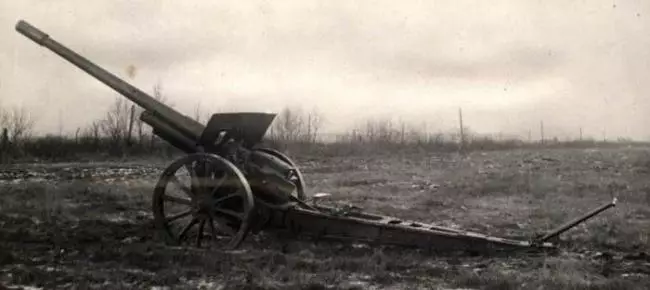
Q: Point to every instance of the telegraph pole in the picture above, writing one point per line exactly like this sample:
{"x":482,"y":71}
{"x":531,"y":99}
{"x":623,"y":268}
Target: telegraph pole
{"x":541,"y":130}
{"x":462,"y":133}
{"x":580,"y":133}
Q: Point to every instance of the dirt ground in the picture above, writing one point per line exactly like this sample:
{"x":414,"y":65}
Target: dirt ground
{"x":89,"y":226}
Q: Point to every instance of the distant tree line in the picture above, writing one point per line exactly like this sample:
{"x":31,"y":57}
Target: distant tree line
{"x":121,"y":133}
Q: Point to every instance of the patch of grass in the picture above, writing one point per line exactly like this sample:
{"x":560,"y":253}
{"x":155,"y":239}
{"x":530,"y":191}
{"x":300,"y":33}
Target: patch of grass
{"x":571,"y":273}
{"x":490,"y":278}
{"x":99,"y":234}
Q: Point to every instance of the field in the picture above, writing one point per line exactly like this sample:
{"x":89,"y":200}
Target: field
{"x":89,"y":225}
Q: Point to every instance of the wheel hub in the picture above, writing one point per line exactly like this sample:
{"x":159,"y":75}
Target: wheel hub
{"x":203,"y":205}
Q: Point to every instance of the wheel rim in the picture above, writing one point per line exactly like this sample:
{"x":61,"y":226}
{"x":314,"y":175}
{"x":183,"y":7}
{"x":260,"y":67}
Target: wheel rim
{"x":296,"y":177}
{"x":203,"y":199}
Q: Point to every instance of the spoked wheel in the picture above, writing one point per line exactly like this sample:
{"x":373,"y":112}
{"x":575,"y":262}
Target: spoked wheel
{"x":203,"y":199}
{"x":296,"y":177}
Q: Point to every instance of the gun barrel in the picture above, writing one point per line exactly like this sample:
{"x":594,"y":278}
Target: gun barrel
{"x":168,"y":133}
{"x":188,"y":127}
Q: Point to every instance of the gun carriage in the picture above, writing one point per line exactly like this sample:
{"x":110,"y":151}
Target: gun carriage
{"x":234,"y":187}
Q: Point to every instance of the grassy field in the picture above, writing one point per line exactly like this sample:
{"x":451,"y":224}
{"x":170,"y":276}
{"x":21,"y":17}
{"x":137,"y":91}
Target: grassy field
{"x":63,"y":226}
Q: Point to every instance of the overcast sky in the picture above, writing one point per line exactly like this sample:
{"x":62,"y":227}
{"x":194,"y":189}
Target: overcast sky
{"x":508,"y":64}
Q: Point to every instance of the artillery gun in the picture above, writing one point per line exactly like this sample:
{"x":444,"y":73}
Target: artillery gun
{"x":234,"y":187}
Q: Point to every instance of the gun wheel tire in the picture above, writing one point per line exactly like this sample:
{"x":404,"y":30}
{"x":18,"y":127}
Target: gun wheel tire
{"x":296,"y":177}
{"x":203,"y":200}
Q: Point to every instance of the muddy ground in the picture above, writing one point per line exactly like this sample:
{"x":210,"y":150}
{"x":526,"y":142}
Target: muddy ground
{"x":89,"y":226}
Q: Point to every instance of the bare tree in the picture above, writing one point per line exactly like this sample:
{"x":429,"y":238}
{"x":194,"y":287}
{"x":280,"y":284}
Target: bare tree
{"x":380,"y":130}
{"x":4,"y":118}
{"x":160,"y":97}
{"x":18,"y":123}
{"x":139,"y":126}
{"x":198,"y":113}
{"x":129,"y":134}
{"x":314,"y":122}
{"x":4,"y":135}
{"x":115,"y":124}
{"x":288,"y":125}
{"x":92,"y":132}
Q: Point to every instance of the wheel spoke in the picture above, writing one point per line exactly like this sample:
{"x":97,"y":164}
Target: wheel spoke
{"x":177,"y":200}
{"x":221,"y":225}
{"x":179,"y":215}
{"x":221,"y":199}
{"x":202,"y":176}
{"x":193,"y":176}
{"x":230,"y":213}
{"x":186,"y":229}
{"x":199,"y":173}
{"x":223,"y":179}
{"x":199,"y":235}
{"x":180,"y":185}
{"x":203,"y":172}
{"x":213,"y":232}
{"x":207,"y":169}
{"x":217,"y":184}
{"x":190,"y":170}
